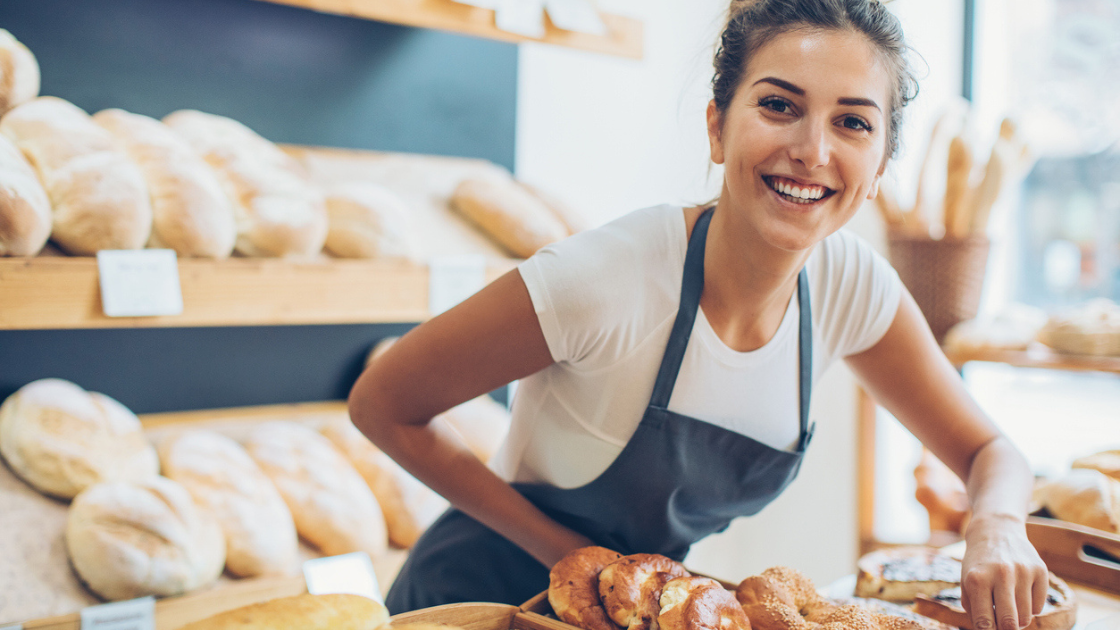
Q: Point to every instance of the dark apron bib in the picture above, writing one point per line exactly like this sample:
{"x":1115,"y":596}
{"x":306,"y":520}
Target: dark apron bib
{"x":676,"y":481}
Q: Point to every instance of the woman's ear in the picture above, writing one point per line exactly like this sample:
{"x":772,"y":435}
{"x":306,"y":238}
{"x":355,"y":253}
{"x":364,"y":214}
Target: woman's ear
{"x":715,"y":126}
{"x":874,"y":191}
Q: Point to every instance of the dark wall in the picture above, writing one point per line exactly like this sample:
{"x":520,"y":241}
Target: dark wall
{"x":294,"y":76}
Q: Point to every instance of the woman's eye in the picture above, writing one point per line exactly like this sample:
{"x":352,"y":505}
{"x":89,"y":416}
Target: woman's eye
{"x":775,"y":105}
{"x":852,"y":122}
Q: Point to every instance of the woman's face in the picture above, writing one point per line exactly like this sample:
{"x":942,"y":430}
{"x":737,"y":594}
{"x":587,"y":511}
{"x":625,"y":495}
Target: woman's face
{"x":804,"y":138}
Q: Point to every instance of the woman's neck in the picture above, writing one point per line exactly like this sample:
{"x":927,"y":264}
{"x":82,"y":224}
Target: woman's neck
{"x":747,"y":283}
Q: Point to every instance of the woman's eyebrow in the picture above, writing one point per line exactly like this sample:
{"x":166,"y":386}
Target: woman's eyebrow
{"x":864,"y":102}
{"x":847,"y":100}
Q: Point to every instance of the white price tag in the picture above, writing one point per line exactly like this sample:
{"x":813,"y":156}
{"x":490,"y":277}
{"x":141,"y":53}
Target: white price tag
{"x":576,"y":15}
{"x":131,"y":614}
{"x":452,"y":279}
{"x":139,"y":283}
{"x":521,"y":17}
{"x":12,"y":626}
{"x":349,"y":573}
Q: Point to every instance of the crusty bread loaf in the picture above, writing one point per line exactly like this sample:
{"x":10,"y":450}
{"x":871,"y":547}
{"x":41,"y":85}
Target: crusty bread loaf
{"x":409,"y":506}
{"x":191,"y":212}
{"x":367,"y":221}
{"x":61,"y":439}
{"x":130,"y":540}
{"x":98,"y":195}
{"x":508,"y":214}
{"x":1085,"y":497}
{"x":25,"y":211}
{"x":225,"y":482}
{"x":19,"y":73}
{"x":573,"y":220}
{"x":331,"y":505}
{"x":481,"y":422}
{"x":300,"y":612}
{"x":279,"y":212}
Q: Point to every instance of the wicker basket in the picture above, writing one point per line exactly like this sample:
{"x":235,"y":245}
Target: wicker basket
{"x":945,"y":277}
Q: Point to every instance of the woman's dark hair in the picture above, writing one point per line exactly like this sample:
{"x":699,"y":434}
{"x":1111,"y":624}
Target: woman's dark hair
{"x":754,"y":23}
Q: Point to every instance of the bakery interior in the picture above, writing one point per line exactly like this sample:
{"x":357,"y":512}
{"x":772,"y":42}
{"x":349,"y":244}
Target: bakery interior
{"x":590,"y":121}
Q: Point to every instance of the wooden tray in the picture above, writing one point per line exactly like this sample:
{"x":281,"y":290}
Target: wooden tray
{"x":1080,"y":554}
{"x":1060,"y":618}
{"x":479,"y":616}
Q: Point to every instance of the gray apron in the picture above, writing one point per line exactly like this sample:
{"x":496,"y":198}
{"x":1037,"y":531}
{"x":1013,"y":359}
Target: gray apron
{"x":676,"y":481}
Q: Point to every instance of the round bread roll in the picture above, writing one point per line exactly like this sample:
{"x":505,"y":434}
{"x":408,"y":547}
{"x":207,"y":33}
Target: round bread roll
{"x":409,"y":506}
{"x":19,"y":73}
{"x":226,"y":483}
{"x":332,"y":506}
{"x":300,"y":612}
{"x":1085,"y":497}
{"x":367,"y":221}
{"x":191,"y":212}
{"x":98,"y":195}
{"x":573,"y":588}
{"x":25,"y":211}
{"x":131,"y":540}
{"x":700,"y":603}
{"x":279,"y":213}
{"x":630,"y":588}
{"x":62,"y":439}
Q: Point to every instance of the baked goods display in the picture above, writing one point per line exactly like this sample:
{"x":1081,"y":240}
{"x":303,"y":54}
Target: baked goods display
{"x":1083,"y":496}
{"x":1092,"y":328}
{"x":1107,"y":462}
{"x":25,"y":211}
{"x":279,"y":212}
{"x":302,"y":612}
{"x":700,"y":603}
{"x":573,"y":588}
{"x":410,"y":507}
{"x":509,"y":214}
{"x":62,"y":439}
{"x":98,"y":195}
{"x":898,"y":574}
{"x":367,"y":221}
{"x":227,"y":484}
{"x":1014,"y":328}
{"x":19,"y":72}
{"x":129,"y":540}
{"x":631,"y":588}
{"x":1058,"y":613}
{"x":332,"y":506}
{"x":191,"y":213}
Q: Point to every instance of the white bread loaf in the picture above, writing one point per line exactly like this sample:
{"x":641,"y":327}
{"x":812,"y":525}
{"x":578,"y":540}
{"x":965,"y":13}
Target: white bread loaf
{"x":98,"y":195}
{"x":25,"y":211}
{"x":332,"y":507}
{"x":409,"y":506}
{"x":19,"y":73}
{"x":1085,"y":497}
{"x":481,"y":422}
{"x":302,"y":612}
{"x":507,"y":213}
{"x":226,"y":483}
{"x":191,"y":212}
{"x":279,"y":212}
{"x":367,"y":221}
{"x":131,"y":540}
{"x":62,"y":439}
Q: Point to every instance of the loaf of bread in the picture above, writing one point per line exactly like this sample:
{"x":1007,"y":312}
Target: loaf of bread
{"x":19,"y":73}
{"x":191,"y":212}
{"x":1107,"y":462}
{"x":279,"y":212}
{"x":507,"y":213}
{"x":482,"y":423}
{"x":367,"y":221}
{"x":332,"y":507}
{"x":1084,"y":497}
{"x":98,"y":195}
{"x":409,"y":506}
{"x":25,"y":211}
{"x":62,"y":439}
{"x":130,"y":540}
{"x":573,"y":220}
{"x":225,"y":482}
{"x":300,"y":612}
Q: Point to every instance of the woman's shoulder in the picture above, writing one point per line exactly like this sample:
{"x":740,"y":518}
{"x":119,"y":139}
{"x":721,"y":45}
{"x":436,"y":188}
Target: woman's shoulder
{"x":654,"y":233}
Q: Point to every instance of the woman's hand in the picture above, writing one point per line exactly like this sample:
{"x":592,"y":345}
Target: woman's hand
{"x":1003,"y":580}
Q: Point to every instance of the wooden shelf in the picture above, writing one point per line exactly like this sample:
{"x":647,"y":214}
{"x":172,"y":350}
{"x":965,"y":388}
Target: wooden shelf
{"x":623,"y":38}
{"x":1038,"y":356}
{"x":51,"y":292}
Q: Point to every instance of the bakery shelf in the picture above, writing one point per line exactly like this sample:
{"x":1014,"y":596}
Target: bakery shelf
{"x":1037,"y":356}
{"x":623,"y":38}
{"x":51,"y":292}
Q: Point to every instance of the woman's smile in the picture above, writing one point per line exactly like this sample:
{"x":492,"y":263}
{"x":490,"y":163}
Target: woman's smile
{"x":797,"y":192}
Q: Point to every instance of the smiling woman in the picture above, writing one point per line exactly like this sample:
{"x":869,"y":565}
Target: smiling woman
{"x":666,"y":359}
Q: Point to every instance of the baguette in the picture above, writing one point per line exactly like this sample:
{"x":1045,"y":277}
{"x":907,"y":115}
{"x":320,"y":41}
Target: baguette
{"x":508,"y":214}
{"x":956,"y":188}
{"x":19,"y":73}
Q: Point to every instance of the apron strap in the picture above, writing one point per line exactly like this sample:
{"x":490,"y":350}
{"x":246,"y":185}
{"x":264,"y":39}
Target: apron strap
{"x":805,"y":349}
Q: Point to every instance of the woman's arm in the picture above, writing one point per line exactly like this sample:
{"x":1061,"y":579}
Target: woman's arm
{"x":490,"y":339}
{"x":1003,"y":579}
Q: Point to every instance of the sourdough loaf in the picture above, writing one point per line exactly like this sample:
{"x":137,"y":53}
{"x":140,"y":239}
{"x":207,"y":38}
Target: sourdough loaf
{"x":25,"y":211}
{"x":62,"y":439}
{"x":98,"y":195}
{"x":508,"y":214}
{"x":191,"y":212}
{"x":19,"y":72}
{"x":367,"y":221}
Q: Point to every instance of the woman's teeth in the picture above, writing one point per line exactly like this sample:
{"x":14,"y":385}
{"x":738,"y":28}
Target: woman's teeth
{"x":798,"y":194}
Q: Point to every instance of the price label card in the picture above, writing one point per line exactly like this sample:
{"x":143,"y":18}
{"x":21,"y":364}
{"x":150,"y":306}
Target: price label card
{"x":452,"y":279}
{"x":348,"y":573}
{"x":12,"y":626}
{"x":576,"y":15}
{"x":131,"y":614}
{"x":139,"y":283}
{"x":521,"y":17}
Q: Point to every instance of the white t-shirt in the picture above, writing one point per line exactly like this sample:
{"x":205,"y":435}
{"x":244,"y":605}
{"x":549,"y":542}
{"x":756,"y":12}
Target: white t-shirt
{"x":606,"y":300}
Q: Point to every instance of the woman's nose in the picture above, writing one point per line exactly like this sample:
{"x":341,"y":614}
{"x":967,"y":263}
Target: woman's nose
{"x":810,"y":144}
